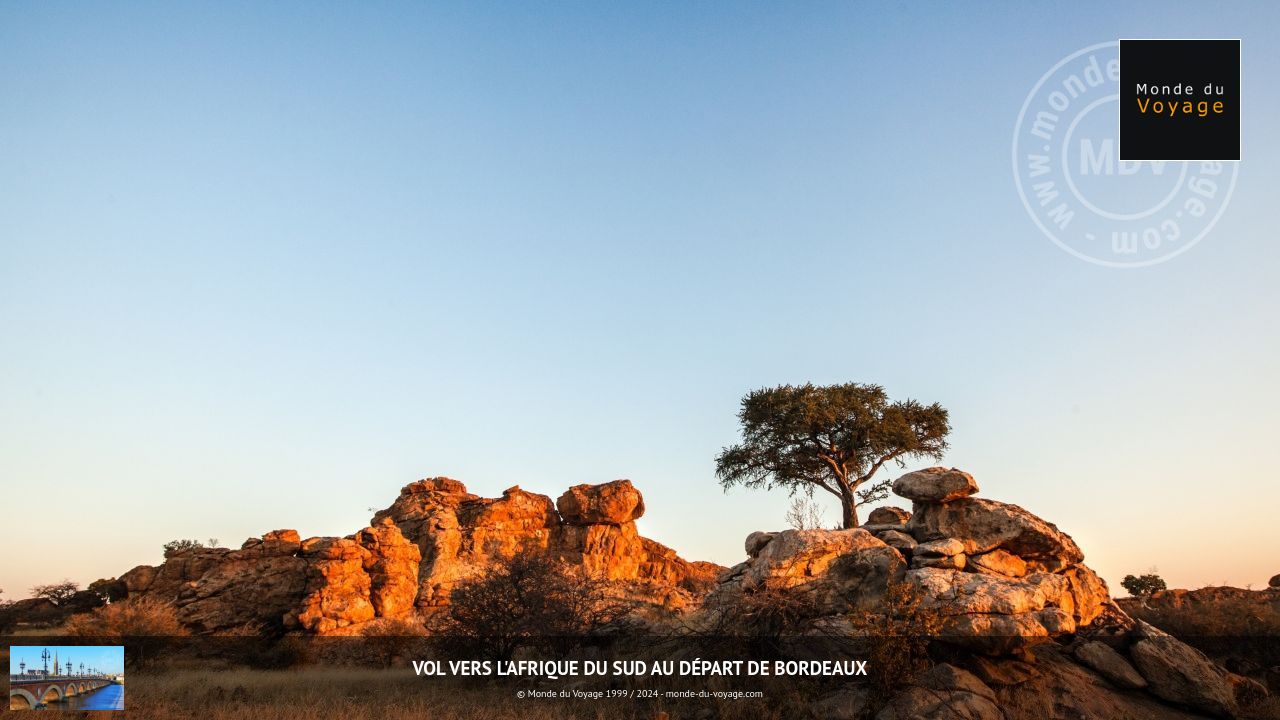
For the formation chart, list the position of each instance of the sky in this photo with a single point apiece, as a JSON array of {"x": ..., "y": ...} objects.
[
  {"x": 263, "y": 264},
  {"x": 107, "y": 659}
]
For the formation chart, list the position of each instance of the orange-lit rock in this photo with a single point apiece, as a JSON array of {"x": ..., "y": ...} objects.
[{"x": 613, "y": 503}]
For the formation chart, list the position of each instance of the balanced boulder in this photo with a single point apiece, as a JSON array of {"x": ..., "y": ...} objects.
[{"x": 936, "y": 484}]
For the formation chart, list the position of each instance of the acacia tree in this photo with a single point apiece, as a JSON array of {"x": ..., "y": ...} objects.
[
  {"x": 57, "y": 593},
  {"x": 831, "y": 437}
]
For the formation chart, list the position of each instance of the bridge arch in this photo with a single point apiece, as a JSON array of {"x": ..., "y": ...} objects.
[
  {"x": 70, "y": 690},
  {"x": 20, "y": 699},
  {"x": 53, "y": 693}
]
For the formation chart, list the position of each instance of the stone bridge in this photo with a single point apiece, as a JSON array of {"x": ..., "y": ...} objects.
[{"x": 30, "y": 692}]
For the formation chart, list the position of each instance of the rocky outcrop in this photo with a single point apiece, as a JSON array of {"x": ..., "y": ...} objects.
[
  {"x": 592, "y": 526},
  {"x": 254, "y": 587},
  {"x": 434, "y": 536},
  {"x": 1274, "y": 581},
  {"x": 1011, "y": 598}
]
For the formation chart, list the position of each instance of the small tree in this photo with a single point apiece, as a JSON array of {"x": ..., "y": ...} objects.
[
  {"x": 177, "y": 546},
  {"x": 57, "y": 593},
  {"x": 833, "y": 437},
  {"x": 1142, "y": 586}
]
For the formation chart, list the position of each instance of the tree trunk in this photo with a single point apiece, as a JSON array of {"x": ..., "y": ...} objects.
[{"x": 849, "y": 508}]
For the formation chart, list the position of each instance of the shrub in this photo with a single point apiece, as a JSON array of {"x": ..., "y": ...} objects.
[
  {"x": 1143, "y": 585},
  {"x": 176, "y": 546},
  {"x": 901, "y": 632},
  {"x": 146, "y": 625},
  {"x": 530, "y": 601}
]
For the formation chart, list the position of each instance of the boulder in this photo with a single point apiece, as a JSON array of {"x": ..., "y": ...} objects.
[
  {"x": 612, "y": 503},
  {"x": 1109, "y": 664},
  {"x": 1274, "y": 581},
  {"x": 139, "y": 579},
  {"x": 1247, "y": 691},
  {"x": 1180, "y": 674},
  {"x": 840, "y": 569},
  {"x": 1001, "y": 671},
  {"x": 940, "y": 548},
  {"x": 944, "y": 692},
  {"x": 1063, "y": 689},
  {"x": 1089, "y": 594},
  {"x": 986, "y": 525},
  {"x": 995, "y": 614},
  {"x": 935, "y": 485},
  {"x": 946, "y": 554},
  {"x": 756, "y": 542},
  {"x": 888, "y": 516},
  {"x": 998, "y": 562},
  {"x": 899, "y": 541},
  {"x": 944, "y": 562}
]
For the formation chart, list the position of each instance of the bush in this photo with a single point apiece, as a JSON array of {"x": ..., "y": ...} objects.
[
  {"x": 146, "y": 625},
  {"x": 901, "y": 635},
  {"x": 530, "y": 601},
  {"x": 176, "y": 546},
  {"x": 137, "y": 617}
]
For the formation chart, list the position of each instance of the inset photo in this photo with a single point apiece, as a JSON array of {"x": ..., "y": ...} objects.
[{"x": 71, "y": 678}]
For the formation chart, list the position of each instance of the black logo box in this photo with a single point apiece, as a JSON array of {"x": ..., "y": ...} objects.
[{"x": 1187, "y": 68}]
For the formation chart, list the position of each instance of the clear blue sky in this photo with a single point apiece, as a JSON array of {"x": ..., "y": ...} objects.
[
  {"x": 108, "y": 659},
  {"x": 263, "y": 264}
]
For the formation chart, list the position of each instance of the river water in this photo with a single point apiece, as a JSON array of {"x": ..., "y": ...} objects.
[{"x": 110, "y": 697}]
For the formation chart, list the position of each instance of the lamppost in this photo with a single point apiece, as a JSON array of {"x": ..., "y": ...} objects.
[
  {"x": 45, "y": 657},
  {"x": 82, "y": 668},
  {"x": 22, "y": 667},
  {"x": 68, "y": 667}
]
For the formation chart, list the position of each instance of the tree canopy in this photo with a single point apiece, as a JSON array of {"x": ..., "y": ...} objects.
[
  {"x": 1142, "y": 586},
  {"x": 830, "y": 437}
]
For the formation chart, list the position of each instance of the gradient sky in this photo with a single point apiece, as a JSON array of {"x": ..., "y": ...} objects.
[
  {"x": 107, "y": 659},
  {"x": 261, "y": 264}
]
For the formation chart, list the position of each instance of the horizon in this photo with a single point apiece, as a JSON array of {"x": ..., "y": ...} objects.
[{"x": 262, "y": 266}]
